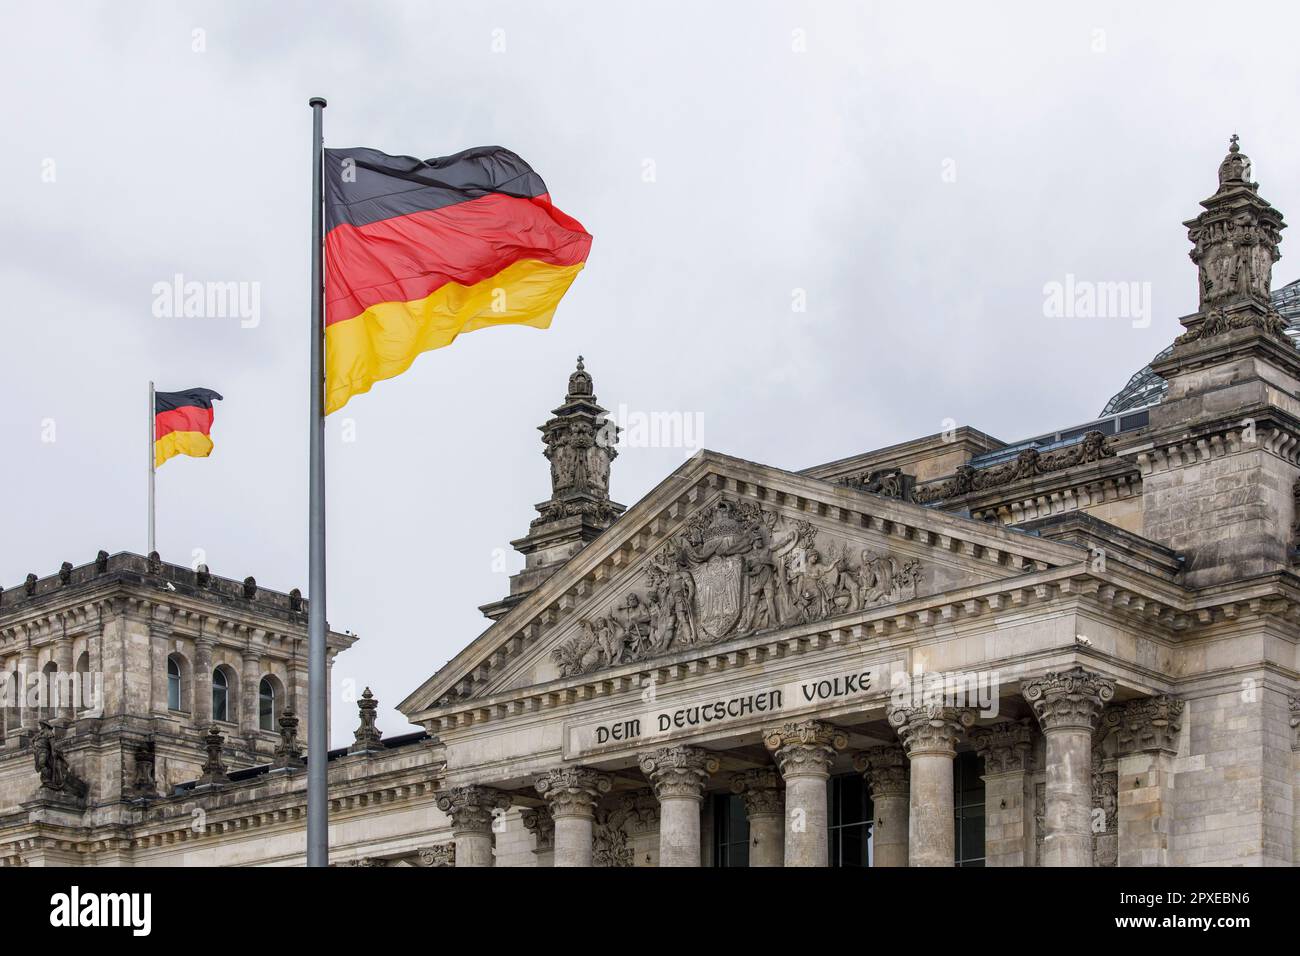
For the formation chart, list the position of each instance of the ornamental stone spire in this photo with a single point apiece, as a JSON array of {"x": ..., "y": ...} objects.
[
  {"x": 1234, "y": 245},
  {"x": 580, "y": 445},
  {"x": 1222, "y": 432}
]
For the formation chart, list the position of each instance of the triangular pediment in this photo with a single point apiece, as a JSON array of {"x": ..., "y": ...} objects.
[{"x": 725, "y": 550}]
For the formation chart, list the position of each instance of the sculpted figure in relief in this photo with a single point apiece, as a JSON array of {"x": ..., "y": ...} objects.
[{"x": 736, "y": 570}]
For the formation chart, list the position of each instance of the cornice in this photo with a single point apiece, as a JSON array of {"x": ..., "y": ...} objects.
[{"x": 1144, "y": 602}]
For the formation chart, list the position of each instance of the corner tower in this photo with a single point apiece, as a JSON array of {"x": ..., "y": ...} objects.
[
  {"x": 580, "y": 444},
  {"x": 1221, "y": 475}
]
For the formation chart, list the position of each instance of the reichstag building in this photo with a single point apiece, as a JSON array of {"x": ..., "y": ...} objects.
[{"x": 1075, "y": 649}]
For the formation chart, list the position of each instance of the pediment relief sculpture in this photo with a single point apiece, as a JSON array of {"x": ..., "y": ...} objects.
[{"x": 736, "y": 570}]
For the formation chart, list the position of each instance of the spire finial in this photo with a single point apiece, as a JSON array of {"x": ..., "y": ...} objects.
[
  {"x": 580, "y": 382},
  {"x": 1233, "y": 147}
]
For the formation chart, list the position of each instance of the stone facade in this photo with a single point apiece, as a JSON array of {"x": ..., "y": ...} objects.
[{"x": 1107, "y": 624}]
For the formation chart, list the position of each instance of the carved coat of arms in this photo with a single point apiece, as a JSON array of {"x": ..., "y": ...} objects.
[{"x": 736, "y": 569}]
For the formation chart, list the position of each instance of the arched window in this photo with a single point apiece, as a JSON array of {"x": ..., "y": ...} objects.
[
  {"x": 220, "y": 696},
  {"x": 173, "y": 684},
  {"x": 266, "y": 704}
]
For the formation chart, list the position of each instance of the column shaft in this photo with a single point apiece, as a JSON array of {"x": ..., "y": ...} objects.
[
  {"x": 474, "y": 812},
  {"x": 931, "y": 840},
  {"x": 1068, "y": 814},
  {"x": 678, "y": 775},
  {"x": 201, "y": 705},
  {"x": 1068, "y": 705},
  {"x": 890, "y": 836},
  {"x": 1147, "y": 740},
  {"x": 805, "y": 837},
  {"x": 29, "y": 698},
  {"x": 804, "y": 751},
  {"x": 767, "y": 839},
  {"x": 929, "y": 734},
  {"x": 679, "y": 830},
  {"x": 572, "y": 793},
  {"x": 885, "y": 771},
  {"x": 250, "y": 702},
  {"x": 764, "y": 809}
]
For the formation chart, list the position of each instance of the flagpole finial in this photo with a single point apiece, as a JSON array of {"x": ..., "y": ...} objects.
[{"x": 316, "y": 101}]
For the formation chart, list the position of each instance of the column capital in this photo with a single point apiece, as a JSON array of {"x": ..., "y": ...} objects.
[
  {"x": 573, "y": 791},
  {"x": 761, "y": 790},
  {"x": 930, "y": 729},
  {"x": 1148, "y": 724},
  {"x": 1068, "y": 700},
  {"x": 1007, "y": 747},
  {"x": 678, "y": 771},
  {"x": 885, "y": 769},
  {"x": 804, "y": 746},
  {"x": 541, "y": 824},
  {"x": 472, "y": 807}
]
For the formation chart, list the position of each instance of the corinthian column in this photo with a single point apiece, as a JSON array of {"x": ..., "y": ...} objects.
[
  {"x": 473, "y": 811},
  {"x": 761, "y": 791},
  {"x": 1147, "y": 737},
  {"x": 804, "y": 751},
  {"x": 885, "y": 770},
  {"x": 1007, "y": 752},
  {"x": 539, "y": 822},
  {"x": 1068, "y": 705},
  {"x": 929, "y": 735},
  {"x": 571, "y": 793},
  {"x": 678, "y": 775}
]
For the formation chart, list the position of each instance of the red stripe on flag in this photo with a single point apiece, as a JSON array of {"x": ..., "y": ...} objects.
[
  {"x": 408, "y": 258},
  {"x": 187, "y": 419}
]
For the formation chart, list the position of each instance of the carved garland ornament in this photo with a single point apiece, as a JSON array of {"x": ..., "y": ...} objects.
[
  {"x": 735, "y": 570},
  {"x": 1030, "y": 463}
]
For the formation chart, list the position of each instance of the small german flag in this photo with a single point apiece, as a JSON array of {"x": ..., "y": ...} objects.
[
  {"x": 419, "y": 251},
  {"x": 181, "y": 422}
]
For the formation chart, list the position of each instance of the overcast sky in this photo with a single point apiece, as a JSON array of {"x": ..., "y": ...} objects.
[{"x": 919, "y": 171}]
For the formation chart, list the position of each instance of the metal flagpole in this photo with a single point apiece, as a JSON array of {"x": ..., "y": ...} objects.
[
  {"x": 153, "y": 438},
  {"x": 317, "y": 691}
]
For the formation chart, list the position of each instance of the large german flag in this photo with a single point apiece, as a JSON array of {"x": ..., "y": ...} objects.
[
  {"x": 181, "y": 423},
  {"x": 419, "y": 251}
]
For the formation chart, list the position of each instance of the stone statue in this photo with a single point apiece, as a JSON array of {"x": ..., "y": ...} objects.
[
  {"x": 735, "y": 570},
  {"x": 56, "y": 776},
  {"x": 681, "y": 598},
  {"x": 761, "y": 606}
]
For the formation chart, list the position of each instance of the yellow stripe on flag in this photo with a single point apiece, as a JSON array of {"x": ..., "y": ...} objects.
[
  {"x": 384, "y": 340},
  {"x": 194, "y": 444}
]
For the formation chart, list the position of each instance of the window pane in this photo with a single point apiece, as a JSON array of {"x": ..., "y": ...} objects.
[
  {"x": 849, "y": 816},
  {"x": 266, "y": 705}
]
